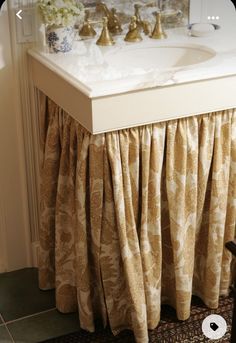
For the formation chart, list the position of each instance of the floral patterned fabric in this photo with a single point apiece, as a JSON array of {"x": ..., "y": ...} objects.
[{"x": 136, "y": 217}]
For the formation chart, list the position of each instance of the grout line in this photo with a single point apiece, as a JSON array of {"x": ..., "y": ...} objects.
[
  {"x": 4, "y": 324},
  {"x": 29, "y": 316},
  {"x": 9, "y": 333}
]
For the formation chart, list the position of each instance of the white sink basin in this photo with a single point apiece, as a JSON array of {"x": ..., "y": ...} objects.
[{"x": 161, "y": 57}]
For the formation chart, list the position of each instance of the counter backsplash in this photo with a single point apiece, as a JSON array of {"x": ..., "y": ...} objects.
[{"x": 124, "y": 6}]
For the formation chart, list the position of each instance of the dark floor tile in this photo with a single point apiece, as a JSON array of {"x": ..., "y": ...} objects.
[
  {"x": 4, "y": 335},
  {"x": 20, "y": 295},
  {"x": 43, "y": 326}
]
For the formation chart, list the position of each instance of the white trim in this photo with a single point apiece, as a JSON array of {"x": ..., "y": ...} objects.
[
  {"x": 19, "y": 221},
  {"x": 27, "y": 123},
  {"x": 14, "y": 220}
]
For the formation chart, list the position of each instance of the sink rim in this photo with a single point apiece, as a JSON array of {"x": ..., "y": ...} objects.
[
  {"x": 151, "y": 44},
  {"x": 163, "y": 45}
]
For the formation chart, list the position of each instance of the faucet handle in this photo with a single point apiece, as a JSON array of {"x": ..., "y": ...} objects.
[
  {"x": 115, "y": 25},
  {"x": 158, "y": 32},
  {"x": 105, "y": 38},
  {"x": 144, "y": 24},
  {"x": 87, "y": 30},
  {"x": 133, "y": 35}
]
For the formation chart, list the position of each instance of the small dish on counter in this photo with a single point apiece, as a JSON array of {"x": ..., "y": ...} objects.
[{"x": 203, "y": 29}]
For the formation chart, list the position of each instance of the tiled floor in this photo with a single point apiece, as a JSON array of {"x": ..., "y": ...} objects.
[{"x": 27, "y": 314}]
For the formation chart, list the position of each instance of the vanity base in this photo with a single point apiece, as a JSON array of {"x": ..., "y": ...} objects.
[{"x": 135, "y": 108}]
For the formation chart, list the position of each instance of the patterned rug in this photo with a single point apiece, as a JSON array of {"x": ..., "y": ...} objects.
[{"x": 170, "y": 330}]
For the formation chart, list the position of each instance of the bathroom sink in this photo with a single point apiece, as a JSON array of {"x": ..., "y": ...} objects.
[
  {"x": 126, "y": 85},
  {"x": 161, "y": 57}
]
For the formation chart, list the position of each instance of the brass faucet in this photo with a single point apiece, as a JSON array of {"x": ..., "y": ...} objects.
[
  {"x": 114, "y": 25},
  {"x": 143, "y": 24},
  {"x": 133, "y": 34},
  {"x": 115, "y": 28},
  {"x": 105, "y": 38},
  {"x": 158, "y": 32},
  {"x": 87, "y": 30}
]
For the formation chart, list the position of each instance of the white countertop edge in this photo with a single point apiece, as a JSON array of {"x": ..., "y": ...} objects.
[
  {"x": 59, "y": 71},
  {"x": 134, "y": 86},
  {"x": 143, "y": 87}
]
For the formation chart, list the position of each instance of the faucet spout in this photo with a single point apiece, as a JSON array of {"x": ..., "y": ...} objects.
[
  {"x": 143, "y": 24},
  {"x": 113, "y": 25}
]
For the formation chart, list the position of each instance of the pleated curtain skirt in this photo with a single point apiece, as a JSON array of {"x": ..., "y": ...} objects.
[{"x": 137, "y": 217}]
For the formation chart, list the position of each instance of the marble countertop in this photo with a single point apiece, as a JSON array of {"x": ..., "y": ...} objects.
[{"x": 85, "y": 67}]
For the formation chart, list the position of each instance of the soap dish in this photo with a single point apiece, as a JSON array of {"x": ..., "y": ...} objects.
[{"x": 202, "y": 29}]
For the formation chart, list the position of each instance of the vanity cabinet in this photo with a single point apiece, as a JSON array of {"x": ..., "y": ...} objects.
[
  {"x": 138, "y": 179},
  {"x": 134, "y": 101}
]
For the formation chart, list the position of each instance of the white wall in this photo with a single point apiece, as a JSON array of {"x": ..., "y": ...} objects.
[
  {"x": 200, "y": 10},
  {"x": 14, "y": 223}
]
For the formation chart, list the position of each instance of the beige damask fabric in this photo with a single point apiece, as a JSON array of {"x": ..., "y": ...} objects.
[{"x": 136, "y": 217}]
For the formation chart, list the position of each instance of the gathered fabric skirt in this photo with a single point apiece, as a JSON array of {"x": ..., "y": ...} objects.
[{"x": 137, "y": 217}]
